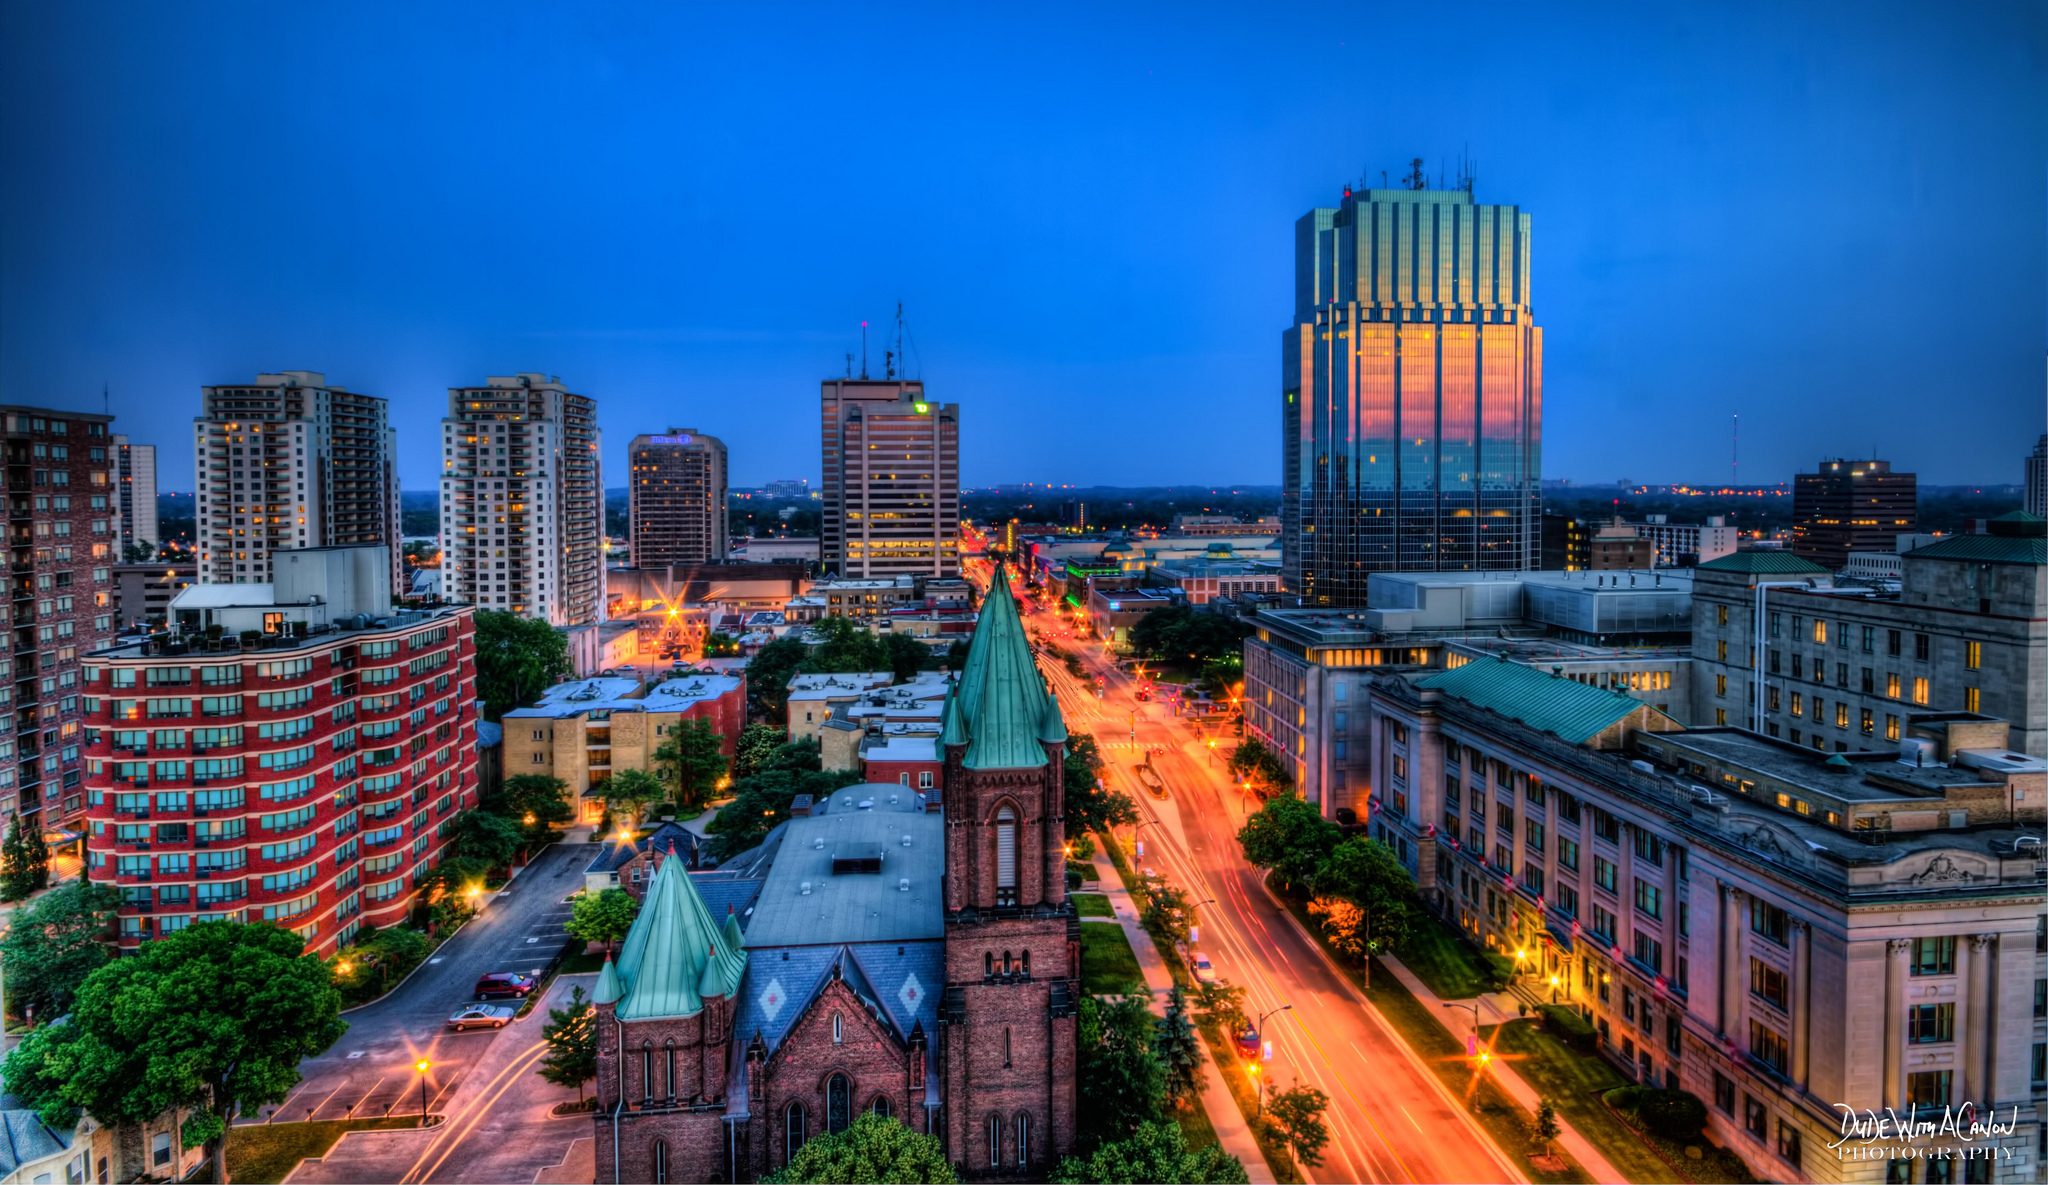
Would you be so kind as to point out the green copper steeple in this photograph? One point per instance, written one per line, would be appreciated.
(1003, 710)
(675, 953)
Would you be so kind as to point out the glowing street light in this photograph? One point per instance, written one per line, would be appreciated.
(422, 1066)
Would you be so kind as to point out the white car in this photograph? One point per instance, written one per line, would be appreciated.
(1203, 971)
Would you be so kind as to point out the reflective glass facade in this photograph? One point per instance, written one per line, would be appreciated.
(1411, 393)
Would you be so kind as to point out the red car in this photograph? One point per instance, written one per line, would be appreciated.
(504, 983)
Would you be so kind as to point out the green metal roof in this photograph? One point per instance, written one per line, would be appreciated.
(1003, 702)
(608, 987)
(1989, 549)
(1543, 700)
(955, 718)
(1762, 563)
(674, 953)
(1052, 727)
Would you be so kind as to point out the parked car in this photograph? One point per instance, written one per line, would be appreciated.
(1203, 971)
(480, 1016)
(1248, 1044)
(504, 983)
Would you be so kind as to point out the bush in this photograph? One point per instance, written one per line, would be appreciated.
(1676, 1115)
(1564, 1023)
(1081, 847)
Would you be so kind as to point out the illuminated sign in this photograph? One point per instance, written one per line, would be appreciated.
(922, 408)
(670, 439)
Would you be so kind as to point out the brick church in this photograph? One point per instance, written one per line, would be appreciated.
(884, 950)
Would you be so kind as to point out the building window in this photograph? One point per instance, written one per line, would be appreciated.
(1720, 615)
(1868, 722)
(995, 1142)
(1891, 686)
(881, 1107)
(838, 1102)
(1928, 1024)
(1788, 1142)
(1929, 1088)
(1603, 873)
(1820, 631)
(1934, 956)
(160, 1148)
(1724, 1094)
(1771, 922)
(1970, 700)
(1973, 655)
(1769, 984)
(661, 1162)
(793, 1133)
(1920, 647)
(1006, 857)
(1755, 1119)
(1721, 683)
(1721, 717)
(1891, 727)
(1023, 1141)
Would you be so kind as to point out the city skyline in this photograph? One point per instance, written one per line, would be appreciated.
(1146, 217)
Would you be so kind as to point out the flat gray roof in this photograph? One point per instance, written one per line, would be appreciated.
(855, 906)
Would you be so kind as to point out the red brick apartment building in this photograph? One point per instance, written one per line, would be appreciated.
(61, 528)
(294, 752)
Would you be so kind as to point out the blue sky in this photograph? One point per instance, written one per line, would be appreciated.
(1827, 217)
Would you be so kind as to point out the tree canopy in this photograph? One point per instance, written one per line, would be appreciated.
(1363, 874)
(756, 745)
(1180, 634)
(603, 916)
(55, 942)
(544, 797)
(769, 673)
(1090, 805)
(517, 658)
(1154, 1152)
(871, 1151)
(629, 791)
(1290, 837)
(1296, 1116)
(1122, 1081)
(24, 860)
(1265, 771)
(571, 1036)
(212, 1019)
(691, 762)
(1179, 1051)
(487, 838)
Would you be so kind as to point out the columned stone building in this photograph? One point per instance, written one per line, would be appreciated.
(1781, 932)
(908, 954)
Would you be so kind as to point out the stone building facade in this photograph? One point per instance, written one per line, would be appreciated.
(1843, 664)
(885, 951)
(1781, 932)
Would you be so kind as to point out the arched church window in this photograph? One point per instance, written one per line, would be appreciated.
(661, 1162)
(1023, 1140)
(838, 1103)
(881, 1106)
(793, 1131)
(1006, 857)
(995, 1141)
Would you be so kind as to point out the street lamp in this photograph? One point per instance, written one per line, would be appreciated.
(422, 1066)
(1260, 1030)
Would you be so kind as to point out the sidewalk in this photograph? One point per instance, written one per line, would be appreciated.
(1231, 1129)
(1500, 1006)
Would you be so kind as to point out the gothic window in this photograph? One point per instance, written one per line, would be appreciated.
(793, 1131)
(1023, 1140)
(647, 1069)
(1006, 1047)
(988, 965)
(838, 1030)
(661, 1162)
(671, 1070)
(881, 1107)
(995, 1141)
(1025, 963)
(838, 1103)
(1006, 857)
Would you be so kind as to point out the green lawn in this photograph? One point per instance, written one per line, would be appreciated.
(1092, 905)
(265, 1152)
(1453, 967)
(1108, 965)
(579, 963)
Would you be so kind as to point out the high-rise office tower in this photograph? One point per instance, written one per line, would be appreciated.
(522, 509)
(61, 538)
(135, 486)
(2037, 480)
(291, 461)
(676, 499)
(1851, 506)
(1411, 392)
(892, 480)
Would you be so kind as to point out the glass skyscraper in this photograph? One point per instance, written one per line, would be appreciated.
(1411, 393)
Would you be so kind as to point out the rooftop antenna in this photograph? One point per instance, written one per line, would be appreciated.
(863, 349)
(1416, 179)
(1735, 454)
(849, 364)
(107, 403)
(1384, 184)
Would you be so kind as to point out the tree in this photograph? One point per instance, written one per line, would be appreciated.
(1362, 873)
(544, 798)
(1166, 915)
(1091, 806)
(905, 656)
(844, 646)
(1155, 1152)
(517, 658)
(377, 961)
(1122, 1082)
(1178, 1049)
(137, 553)
(1289, 836)
(769, 673)
(35, 857)
(872, 1149)
(55, 942)
(571, 1036)
(718, 644)
(450, 889)
(1260, 768)
(691, 759)
(762, 802)
(603, 916)
(1296, 1115)
(213, 1019)
(756, 745)
(490, 840)
(17, 879)
(629, 791)
(1178, 633)
(1546, 1125)
(1222, 1004)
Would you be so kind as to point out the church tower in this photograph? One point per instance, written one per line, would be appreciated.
(1012, 938)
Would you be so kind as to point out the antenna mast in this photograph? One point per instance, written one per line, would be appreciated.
(1735, 453)
(863, 349)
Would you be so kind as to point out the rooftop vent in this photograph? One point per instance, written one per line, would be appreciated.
(903, 885)
(906, 841)
(804, 889)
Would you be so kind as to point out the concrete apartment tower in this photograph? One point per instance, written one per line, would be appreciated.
(290, 461)
(891, 481)
(522, 507)
(676, 499)
(135, 489)
(2037, 479)
(61, 537)
(1411, 392)
(1851, 506)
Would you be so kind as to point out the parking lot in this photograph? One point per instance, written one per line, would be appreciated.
(372, 1070)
